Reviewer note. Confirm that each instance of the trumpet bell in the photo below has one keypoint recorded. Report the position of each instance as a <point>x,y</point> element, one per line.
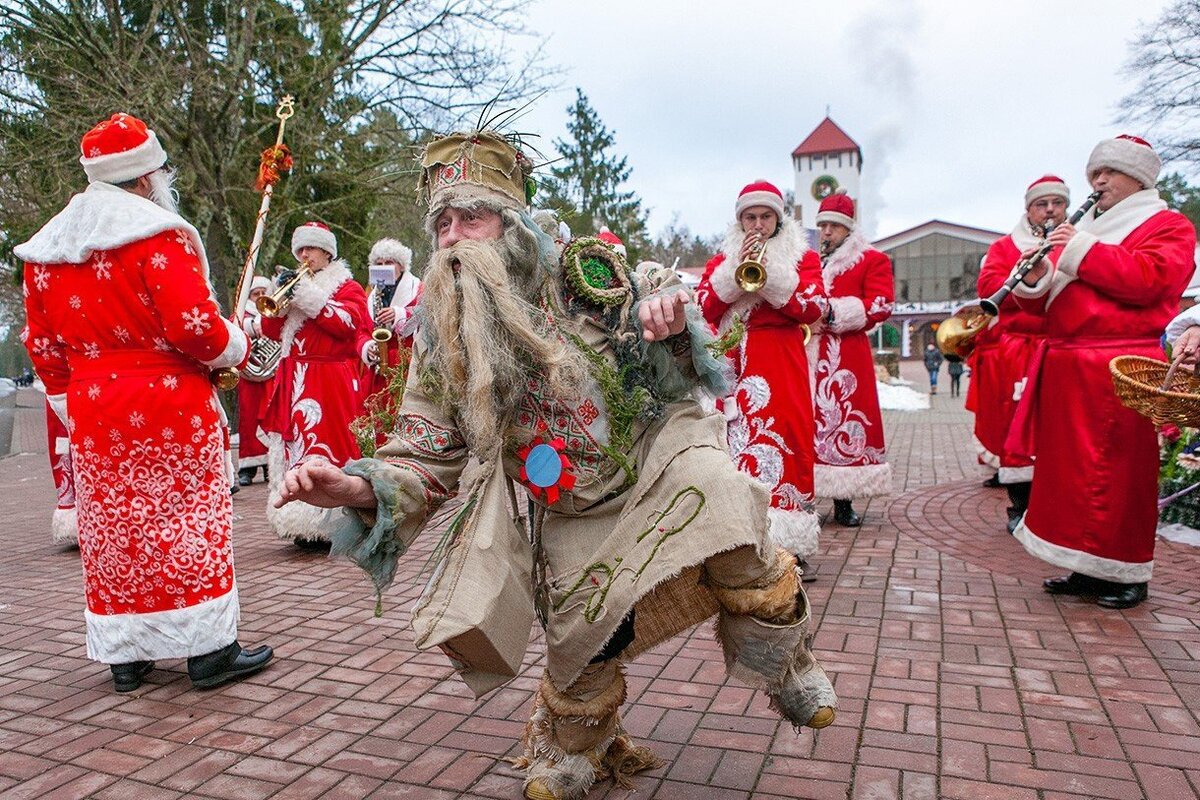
<point>956,335</point>
<point>750,276</point>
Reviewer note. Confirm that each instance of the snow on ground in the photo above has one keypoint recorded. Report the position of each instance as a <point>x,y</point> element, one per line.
<point>897,396</point>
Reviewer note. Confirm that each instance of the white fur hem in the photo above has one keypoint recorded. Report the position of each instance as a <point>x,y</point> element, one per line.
<point>848,483</point>
<point>1078,561</point>
<point>849,314</point>
<point>235,349</point>
<point>1016,474</point>
<point>1075,251</point>
<point>64,526</point>
<point>252,461</point>
<point>178,633</point>
<point>794,531</point>
<point>986,457</point>
<point>296,520</point>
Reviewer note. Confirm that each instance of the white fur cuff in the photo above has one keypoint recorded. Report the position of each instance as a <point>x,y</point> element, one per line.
<point>782,282</point>
<point>1075,251</point>
<point>235,349</point>
<point>723,284</point>
<point>1023,289</point>
<point>849,314</point>
<point>308,298</point>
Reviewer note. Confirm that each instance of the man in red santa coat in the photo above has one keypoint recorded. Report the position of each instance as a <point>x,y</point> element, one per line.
<point>123,329</point>
<point>253,395</point>
<point>316,393</point>
<point>1004,351</point>
<point>1109,288</point>
<point>849,425</point>
<point>771,434</point>
<point>392,305</point>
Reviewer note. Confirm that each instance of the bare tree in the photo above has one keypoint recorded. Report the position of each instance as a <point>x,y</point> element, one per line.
<point>1165,60</point>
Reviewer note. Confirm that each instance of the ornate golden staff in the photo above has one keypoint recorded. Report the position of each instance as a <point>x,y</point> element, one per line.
<point>276,160</point>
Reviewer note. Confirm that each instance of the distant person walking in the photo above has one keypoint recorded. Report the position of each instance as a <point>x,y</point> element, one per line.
<point>933,363</point>
<point>955,368</point>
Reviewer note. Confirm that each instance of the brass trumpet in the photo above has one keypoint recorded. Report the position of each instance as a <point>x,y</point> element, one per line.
<point>276,303</point>
<point>751,275</point>
<point>956,336</point>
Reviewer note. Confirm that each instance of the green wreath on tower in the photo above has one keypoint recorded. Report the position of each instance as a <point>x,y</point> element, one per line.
<point>824,186</point>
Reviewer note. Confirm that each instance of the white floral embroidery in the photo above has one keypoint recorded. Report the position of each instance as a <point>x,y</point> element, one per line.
<point>91,349</point>
<point>41,278</point>
<point>145,298</point>
<point>121,333</point>
<point>76,301</point>
<point>170,382</point>
<point>168,433</point>
<point>93,391</point>
<point>159,260</point>
<point>196,321</point>
<point>94,152</point>
<point>88,442</point>
<point>137,419</point>
<point>42,346</point>
<point>102,265</point>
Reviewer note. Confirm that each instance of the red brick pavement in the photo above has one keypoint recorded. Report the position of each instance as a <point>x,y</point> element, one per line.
<point>958,677</point>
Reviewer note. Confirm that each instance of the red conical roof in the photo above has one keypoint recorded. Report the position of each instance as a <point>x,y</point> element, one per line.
<point>826,138</point>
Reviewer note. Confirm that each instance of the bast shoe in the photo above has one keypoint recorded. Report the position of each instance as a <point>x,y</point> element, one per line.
<point>128,677</point>
<point>1076,584</point>
<point>227,664</point>
<point>1122,595</point>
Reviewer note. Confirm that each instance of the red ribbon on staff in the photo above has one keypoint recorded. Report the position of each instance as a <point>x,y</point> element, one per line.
<point>276,160</point>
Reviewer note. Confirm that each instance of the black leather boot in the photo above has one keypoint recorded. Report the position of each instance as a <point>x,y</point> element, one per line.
<point>1018,495</point>
<point>128,677</point>
<point>1074,584</point>
<point>992,482</point>
<point>246,476</point>
<point>1121,595</point>
<point>227,664</point>
<point>844,515</point>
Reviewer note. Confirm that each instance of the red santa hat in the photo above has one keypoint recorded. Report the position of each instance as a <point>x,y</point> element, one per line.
<point>759,193</point>
<point>390,250</point>
<point>611,239</point>
<point>1128,154</point>
<point>1047,186</point>
<point>260,282</point>
<point>314,234</point>
<point>120,149</point>
<point>839,208</point>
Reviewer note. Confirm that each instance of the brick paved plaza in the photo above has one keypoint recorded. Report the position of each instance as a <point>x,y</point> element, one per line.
<point>958,676</point>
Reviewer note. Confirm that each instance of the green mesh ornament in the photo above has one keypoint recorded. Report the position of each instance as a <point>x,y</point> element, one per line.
<point>595,272</point>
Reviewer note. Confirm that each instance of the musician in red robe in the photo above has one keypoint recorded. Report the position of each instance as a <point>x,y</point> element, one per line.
<point>1005,352</point>
<point>123,329</point>
<point>253,393</point>
<point>1109,288</point>
<point>316,394</point>
<point>771,434</point>
<point>849,425</point>
<point>392,305</point>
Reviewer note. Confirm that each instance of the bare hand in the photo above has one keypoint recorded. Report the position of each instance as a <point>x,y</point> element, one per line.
<point>749,246</point>
<point>321,484</point>
<point>372,351</point>
<point>1187,346</point>
<point>663,316</point>
<point>1038,271</point>
<point>386,316</point>
<point>1060,236</point>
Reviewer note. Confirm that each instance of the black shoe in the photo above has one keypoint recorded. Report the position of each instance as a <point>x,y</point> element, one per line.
<point>266,478</point>
<point>234,488</point>
<point>1014,519</point>
<point>311,545</point>
<point>992,482</point>
<point>227,664</point>
<point>808,574</point>
<point>1074,584</point>
<point>128,677</point>
<point>844,515</point>
<point>246,476</point>
<point>1122,595</point>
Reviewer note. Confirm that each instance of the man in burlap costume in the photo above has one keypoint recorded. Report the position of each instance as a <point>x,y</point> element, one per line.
<point>573,381</point>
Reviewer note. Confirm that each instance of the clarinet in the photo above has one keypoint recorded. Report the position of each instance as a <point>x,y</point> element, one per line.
<point>991,305</point>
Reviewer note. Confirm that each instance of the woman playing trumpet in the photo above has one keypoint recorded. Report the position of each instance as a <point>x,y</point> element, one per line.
<point>771,411</point>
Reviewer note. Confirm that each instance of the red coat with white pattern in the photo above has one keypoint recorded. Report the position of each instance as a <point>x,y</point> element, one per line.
<point>316,394</point>
<point>1114,288</point>
<point>771,431</point>
<point>849,426</point>
<point>127,337</point>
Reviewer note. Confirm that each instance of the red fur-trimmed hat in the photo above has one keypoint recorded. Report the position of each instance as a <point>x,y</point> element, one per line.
<point>759,193</point>
<point>1047,186</point>
<point>314,234</point>
<point>611,239</point>
<point>1128,154</point>
<point>837,207</point>
<point>120,149</point>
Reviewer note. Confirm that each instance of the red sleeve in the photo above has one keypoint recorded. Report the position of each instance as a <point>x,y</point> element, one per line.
<point>1143,274</point>
<point>711,306</point>
<point>345,315</point>
<point>180,294</point>
<point>272,327</point>
<point>997,265</point>
<point>808,303</point>
<point>879,289</point>
<point>47,353</point>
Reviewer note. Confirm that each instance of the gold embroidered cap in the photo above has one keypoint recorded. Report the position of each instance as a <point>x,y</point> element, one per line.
<point>474,166</point>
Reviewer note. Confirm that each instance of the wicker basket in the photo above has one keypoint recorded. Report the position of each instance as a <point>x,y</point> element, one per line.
<point>1139,383</point>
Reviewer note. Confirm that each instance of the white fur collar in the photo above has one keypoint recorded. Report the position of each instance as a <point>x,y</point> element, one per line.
<point>1023,236</point>
<point>846,256</point>
<point>1124,218</point>
<point>102,217</point>
<point>315,295</point>
<point>787,246</point>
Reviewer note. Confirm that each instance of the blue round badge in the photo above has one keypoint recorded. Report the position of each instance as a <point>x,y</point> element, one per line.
<point>543,466</point>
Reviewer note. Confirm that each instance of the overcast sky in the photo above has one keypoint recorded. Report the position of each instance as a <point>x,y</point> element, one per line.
<point>956,106</point>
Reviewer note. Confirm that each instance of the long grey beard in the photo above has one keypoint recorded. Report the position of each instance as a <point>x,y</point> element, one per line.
<point>488,339</point>
<point>162,190</point>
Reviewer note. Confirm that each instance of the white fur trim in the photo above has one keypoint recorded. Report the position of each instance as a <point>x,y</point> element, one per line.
<point>848,483</point>
<point>985,457</point>
<point>390,250</point>
<point>1078,561</point>
<point>786,247</point>
<point>260,282</point>
<point>1047,189</point>
<point>253,461</point>
<point>177,633</point>
<point>1074,252</point>
<point>1023,236</point>
<point>844,258</point>
<point>309,298</point>
<point>1016,474</point>
<point>64,526</point>
<point>794,531</point>
<point>837,217</point>
<point>58,402</point>
<point>126,165</point>
<point>849,314</point>
<point>1182,322</point>
<point>766,198</point>
<point>723,283</point>
<point>62,445</point>
<point>313,236</point>
<point>296,520</point>
<point>103,217</point>
<point>1124,155</point>
<point>235,349</point>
